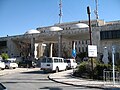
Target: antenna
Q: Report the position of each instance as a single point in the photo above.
(60, 14)
(96, 11)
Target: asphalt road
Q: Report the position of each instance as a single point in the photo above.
(34, 80)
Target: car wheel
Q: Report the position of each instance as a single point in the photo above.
(6, 67)
(66, 68)
(13, 67)
(57, 69)
(2, 68)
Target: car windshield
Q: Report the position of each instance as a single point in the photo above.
(68, 61)
(49, 60)
(5, 61)
(43, 60)
(65, 60)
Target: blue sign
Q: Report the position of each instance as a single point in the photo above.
(74, 53)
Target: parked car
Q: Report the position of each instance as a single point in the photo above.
(10, 64)
(27, 64)
(71, 63)
(2, 65)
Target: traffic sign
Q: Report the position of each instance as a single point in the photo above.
(74, 53)
(92, 51)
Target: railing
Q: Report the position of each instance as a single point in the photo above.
(108, 77)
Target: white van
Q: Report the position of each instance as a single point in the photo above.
(71, 63)
(53, 64)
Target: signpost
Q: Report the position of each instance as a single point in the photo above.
(92, 52)
(113, 52)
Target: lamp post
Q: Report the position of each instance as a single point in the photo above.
(88, 12)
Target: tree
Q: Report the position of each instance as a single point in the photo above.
(4, 56)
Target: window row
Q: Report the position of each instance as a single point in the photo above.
(113, 34)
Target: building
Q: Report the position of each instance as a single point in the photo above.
(59, 38)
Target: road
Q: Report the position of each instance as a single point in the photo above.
(34, 80)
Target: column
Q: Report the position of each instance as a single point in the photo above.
(73, 45)
(51, 47)
(36, 50)
(32, 47)
(59, 45)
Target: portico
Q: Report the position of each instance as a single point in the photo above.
(29, 41)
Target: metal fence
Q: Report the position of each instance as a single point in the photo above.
(108, 77)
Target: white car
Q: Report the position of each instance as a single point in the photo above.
(2, 65)
(10, 64)
(71, 63)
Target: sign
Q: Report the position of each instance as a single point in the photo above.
(74, 53)
(92, 51)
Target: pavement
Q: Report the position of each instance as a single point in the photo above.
(65, 77)
(11, 71)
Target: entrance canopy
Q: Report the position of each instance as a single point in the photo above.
(52, 37)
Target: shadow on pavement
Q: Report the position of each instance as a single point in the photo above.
(36, 72)
(51, 88)
(112, 89)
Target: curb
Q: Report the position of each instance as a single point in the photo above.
(74, 84)
(83, 85)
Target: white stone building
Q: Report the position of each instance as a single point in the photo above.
(38, 42)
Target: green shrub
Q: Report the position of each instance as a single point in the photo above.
(85, 69)
(4, 56)
(98, 70)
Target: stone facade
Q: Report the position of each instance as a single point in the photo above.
(16, 45)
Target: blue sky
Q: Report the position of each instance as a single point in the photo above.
(19, 16)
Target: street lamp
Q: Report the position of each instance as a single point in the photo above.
(88, 11)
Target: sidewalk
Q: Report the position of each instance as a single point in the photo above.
(65, 77)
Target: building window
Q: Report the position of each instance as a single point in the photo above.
(86, 41)
(79, 49)
(113, 34)
(86, 49)
(75, 42)
(82, 49)
(82, 42)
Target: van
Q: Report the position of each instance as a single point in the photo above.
(53, 64)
